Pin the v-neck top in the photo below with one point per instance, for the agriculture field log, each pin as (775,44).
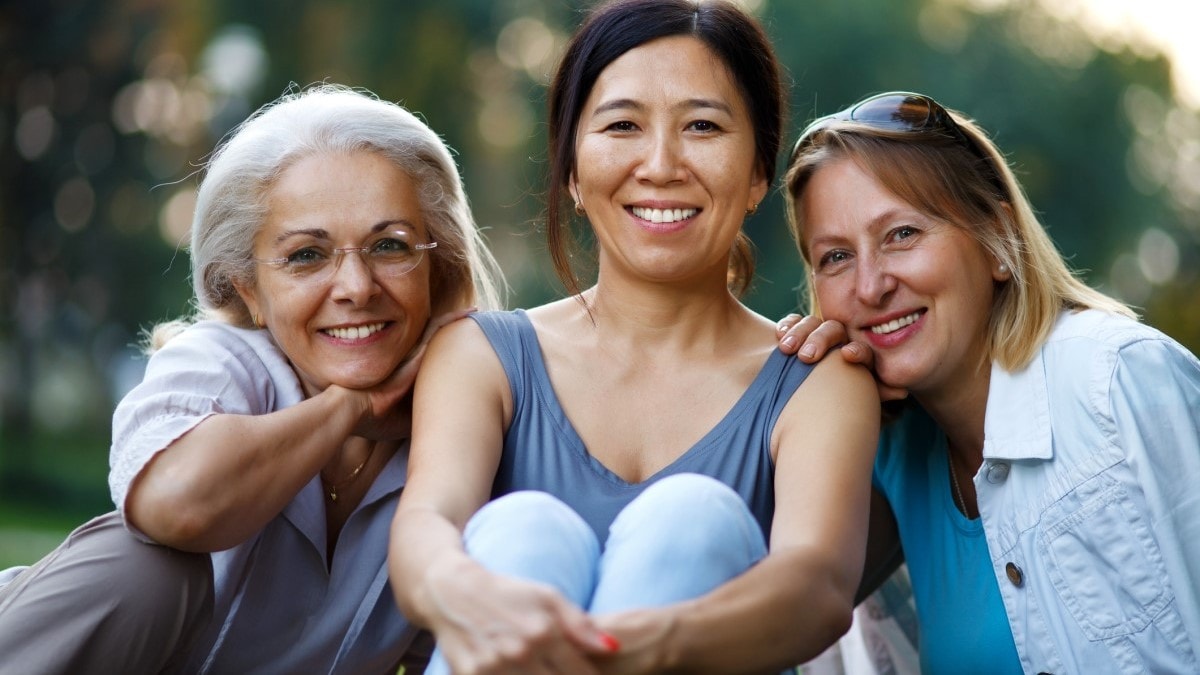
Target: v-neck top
(543,451)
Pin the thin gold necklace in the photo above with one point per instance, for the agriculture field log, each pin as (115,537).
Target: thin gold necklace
(957,490)
(334,487)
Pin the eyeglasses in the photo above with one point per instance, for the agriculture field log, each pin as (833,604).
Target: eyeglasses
(903,111)
(387,254)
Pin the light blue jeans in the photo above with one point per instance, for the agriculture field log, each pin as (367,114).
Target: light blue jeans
(682,537)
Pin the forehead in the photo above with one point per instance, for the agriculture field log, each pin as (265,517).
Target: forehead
(669,68)
(343,193)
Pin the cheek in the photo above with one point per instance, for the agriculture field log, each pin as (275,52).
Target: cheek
(831,297)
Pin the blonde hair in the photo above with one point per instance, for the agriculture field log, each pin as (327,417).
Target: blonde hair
(231,204)
(938,175)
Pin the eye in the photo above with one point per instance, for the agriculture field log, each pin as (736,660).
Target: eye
(833,257)
(309,256)
(622,126)
(704,126)
(904,232)
(392,246)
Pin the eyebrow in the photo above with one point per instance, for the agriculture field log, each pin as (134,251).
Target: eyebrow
(689,104)
(321,233)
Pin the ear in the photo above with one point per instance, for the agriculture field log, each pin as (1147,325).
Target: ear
(573,188)
(758,187)
(1000,270)
(249,295)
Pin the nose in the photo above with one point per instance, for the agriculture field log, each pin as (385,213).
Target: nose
(873,280)
(353,280)
(663,160)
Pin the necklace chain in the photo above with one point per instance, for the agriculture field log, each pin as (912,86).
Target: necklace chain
(334,487)
(957,490)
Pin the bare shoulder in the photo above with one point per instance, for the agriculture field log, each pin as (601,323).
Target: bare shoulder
(461,350)
(836,391)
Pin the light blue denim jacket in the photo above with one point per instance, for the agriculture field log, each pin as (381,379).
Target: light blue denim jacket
(1090,499)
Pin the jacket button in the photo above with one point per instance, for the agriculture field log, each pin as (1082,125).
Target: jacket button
(998,472)
(1014,575)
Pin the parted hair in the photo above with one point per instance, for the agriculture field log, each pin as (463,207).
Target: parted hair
(231,203)
(940,177)
(612,29)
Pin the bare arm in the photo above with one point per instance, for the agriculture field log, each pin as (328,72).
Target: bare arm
(227,477)
(230,475)
(798,599)
(483,622)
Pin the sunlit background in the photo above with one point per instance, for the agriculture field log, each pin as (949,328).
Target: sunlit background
(108,109)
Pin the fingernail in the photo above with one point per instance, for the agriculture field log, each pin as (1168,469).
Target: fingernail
(808,351)
(610,643)
(788,342)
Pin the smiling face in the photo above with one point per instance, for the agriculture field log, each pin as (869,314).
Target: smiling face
(917,289)
(354,328)
(665,162)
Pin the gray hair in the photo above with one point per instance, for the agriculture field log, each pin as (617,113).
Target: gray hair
(231,204)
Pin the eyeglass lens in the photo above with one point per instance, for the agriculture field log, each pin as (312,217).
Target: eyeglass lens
(387,254)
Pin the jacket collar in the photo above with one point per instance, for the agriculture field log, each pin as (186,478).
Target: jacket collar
(1016,425)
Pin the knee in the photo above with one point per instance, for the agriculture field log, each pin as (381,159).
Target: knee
(102,559)
(536,522)
(689,516)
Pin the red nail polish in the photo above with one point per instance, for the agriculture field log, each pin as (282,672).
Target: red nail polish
(610,642)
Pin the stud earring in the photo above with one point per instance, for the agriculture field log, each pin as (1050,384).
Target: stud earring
(1003,269)
(752,210)
(579,211)
(257,321)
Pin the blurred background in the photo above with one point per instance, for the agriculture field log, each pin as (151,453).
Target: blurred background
(108,109)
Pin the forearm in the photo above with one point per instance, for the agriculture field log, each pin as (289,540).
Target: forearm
(423,543)
(224,480)
(783,611)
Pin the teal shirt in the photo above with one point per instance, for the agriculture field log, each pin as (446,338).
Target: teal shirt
(963,625)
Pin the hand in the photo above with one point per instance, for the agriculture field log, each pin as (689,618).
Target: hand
(641,636)
(810,339)
(487,623)
(388,405)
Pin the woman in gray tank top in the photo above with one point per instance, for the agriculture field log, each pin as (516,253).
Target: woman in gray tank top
(661,492)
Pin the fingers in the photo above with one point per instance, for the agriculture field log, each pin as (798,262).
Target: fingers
(443,319)
(809,337)
(793,330)
(786,323)
(583,632)
(857,352)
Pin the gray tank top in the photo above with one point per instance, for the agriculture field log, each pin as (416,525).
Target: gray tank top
(542,451)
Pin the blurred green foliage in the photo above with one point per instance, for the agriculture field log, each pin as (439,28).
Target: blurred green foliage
(107,111)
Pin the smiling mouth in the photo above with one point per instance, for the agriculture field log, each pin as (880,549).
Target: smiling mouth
(355,332)
(896,324)
(663,215)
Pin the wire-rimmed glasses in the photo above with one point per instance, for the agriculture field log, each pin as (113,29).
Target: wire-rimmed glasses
(388,254)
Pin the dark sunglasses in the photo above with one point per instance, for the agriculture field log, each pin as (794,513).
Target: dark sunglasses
(903,111)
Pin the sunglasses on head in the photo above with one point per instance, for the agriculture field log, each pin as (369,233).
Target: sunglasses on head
(903,111)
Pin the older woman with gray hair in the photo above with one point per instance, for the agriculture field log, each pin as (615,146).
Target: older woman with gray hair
(257,466)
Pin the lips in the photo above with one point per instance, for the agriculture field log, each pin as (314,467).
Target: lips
(896,324)
(359,332)
(663,215)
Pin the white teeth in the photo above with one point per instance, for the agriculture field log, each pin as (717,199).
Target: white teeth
(895,324)
(355,332)
(663,215)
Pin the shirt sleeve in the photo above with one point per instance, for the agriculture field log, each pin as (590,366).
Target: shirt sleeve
(204,371)
(1154,399)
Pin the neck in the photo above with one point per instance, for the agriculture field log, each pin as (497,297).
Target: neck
(696,316)
(959,411)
